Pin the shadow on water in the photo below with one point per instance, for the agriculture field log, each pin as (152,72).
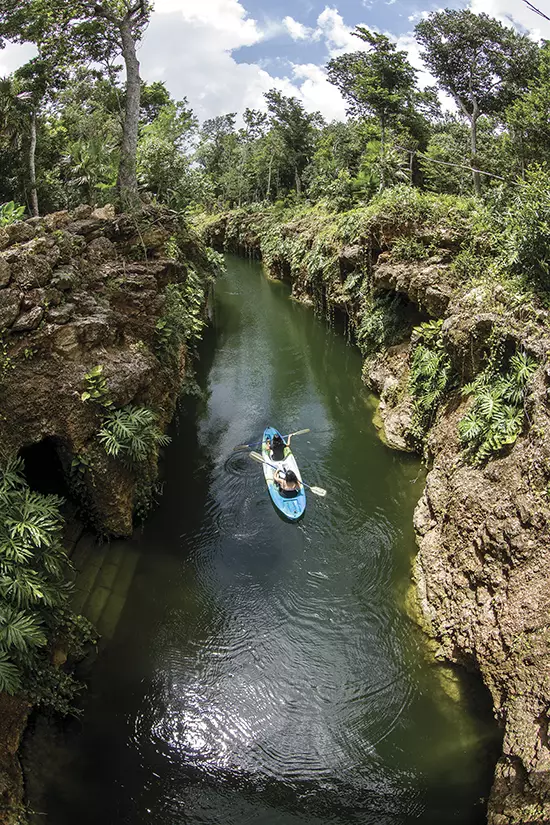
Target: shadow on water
(265,672)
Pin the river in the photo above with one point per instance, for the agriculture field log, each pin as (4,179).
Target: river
(261,671)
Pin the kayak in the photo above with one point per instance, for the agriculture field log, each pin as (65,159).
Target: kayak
(295,506)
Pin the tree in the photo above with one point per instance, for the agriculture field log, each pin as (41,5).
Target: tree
(69,31)
(482,64)
(527,116)
(297,131)
(163,153)
(377,82)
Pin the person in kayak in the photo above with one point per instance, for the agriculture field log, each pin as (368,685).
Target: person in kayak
(287,482)
(279,448)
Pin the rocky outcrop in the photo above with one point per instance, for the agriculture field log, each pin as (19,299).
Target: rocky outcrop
(483,532)
(78,290)
(13,719)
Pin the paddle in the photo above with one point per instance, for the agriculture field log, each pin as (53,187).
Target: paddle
(318,491)
(257,443)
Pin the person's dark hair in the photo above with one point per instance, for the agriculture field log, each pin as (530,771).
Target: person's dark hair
(277,439)
(291,476)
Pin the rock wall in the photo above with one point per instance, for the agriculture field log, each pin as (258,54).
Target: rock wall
(79,290)
(483,533)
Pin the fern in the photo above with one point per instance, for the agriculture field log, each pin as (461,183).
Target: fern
(131,434)
(33,586)
(10,675)
(495,419)
(430,376)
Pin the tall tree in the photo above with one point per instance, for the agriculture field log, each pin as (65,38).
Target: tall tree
(527,117)
(379,81)
(69,31)
(126,20)
(482,64)
(297,130)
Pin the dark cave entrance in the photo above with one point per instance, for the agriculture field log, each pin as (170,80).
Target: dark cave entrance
(43,468)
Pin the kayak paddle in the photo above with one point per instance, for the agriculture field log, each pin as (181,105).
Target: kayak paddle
(257,443)
(318,491)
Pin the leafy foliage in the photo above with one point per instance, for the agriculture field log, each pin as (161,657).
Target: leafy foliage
(430,376)
(10,212)
(183,316)
(96,387)
(382,323)
(33,588)
(526,229)
(131,434)
(495,419)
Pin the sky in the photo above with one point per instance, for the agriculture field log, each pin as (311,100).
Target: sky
(222,55)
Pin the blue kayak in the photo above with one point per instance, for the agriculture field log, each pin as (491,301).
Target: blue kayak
(291,507)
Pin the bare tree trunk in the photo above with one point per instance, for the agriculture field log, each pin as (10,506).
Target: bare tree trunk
(32,166)
(127,171)
(382,153)
(473,149)
(269,175)
(298,182)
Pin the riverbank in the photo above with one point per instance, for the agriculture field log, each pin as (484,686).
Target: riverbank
(99,314)
(482,524)
(262,671)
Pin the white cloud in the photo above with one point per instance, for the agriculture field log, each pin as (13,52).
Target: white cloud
(227,18)
(336,34)
(13,56)
(190,47)
(317,93)
(515,14)
(297,30)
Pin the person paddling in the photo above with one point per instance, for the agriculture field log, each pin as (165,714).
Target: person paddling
(279,448)
(288,483)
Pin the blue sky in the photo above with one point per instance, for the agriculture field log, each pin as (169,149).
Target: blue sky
(223,55)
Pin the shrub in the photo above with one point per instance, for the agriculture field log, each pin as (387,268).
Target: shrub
(527,229)
(10,212)
(33,590)
(495,419)
(382,323)
(430,376)
(131,434)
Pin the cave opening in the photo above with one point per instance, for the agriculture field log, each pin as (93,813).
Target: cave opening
(43,469)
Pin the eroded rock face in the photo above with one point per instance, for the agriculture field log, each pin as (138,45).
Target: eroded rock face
(13,718)
(79,290)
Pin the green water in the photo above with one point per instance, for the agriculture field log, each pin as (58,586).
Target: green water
(260,671)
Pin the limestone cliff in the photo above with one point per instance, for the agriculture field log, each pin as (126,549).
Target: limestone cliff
(80,290)
(483,532)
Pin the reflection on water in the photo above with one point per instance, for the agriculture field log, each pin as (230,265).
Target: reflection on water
(260,671)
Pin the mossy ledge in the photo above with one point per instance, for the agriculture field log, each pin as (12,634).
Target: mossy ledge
(483,522)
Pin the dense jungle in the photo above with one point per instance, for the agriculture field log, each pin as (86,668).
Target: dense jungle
(417,230)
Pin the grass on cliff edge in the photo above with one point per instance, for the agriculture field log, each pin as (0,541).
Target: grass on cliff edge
(504,241)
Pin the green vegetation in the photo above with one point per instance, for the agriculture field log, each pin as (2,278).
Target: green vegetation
(10,212)
(382,323)
(70,132)
(131,434)
(34,612)
(183,316)
(96,387)
(430,376)
(496,416)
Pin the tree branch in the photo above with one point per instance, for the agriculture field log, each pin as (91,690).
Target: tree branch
(100,11)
